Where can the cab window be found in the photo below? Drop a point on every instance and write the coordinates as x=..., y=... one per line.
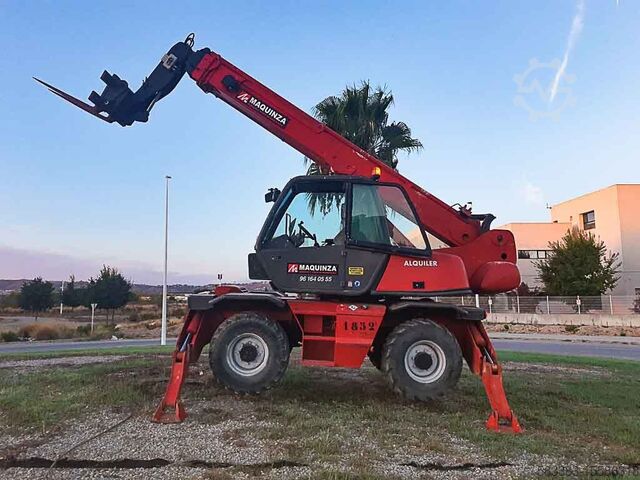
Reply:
x=381, y=215
x=313, y=218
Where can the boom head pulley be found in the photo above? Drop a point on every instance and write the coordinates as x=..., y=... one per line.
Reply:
x=118, y=103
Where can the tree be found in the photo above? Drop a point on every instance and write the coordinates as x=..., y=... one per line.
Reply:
x=71, y=295
x=10, y=300
x=579, y=265
x=110, y=291
x=360, y=115
x=36, y=296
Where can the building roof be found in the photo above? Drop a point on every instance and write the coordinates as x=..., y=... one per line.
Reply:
x=615, y=185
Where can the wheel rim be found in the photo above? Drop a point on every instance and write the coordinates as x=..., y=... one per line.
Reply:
x=247, y=354
x=425, y=361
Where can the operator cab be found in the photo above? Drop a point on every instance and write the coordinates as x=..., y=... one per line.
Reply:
x=334, y=234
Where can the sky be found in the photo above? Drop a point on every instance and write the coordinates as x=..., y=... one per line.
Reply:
x=518, y=104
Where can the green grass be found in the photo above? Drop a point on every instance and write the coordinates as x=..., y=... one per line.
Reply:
x=151, y=350
x=45, y=397
x=627, y=366
x=581, y=408
x=590, y=411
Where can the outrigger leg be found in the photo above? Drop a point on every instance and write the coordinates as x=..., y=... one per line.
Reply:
x=171, y=400
x=481, y=357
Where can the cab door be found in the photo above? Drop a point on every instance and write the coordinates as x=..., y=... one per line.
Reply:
x=303, y=245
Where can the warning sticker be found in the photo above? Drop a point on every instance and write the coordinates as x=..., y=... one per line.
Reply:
x=356, y=270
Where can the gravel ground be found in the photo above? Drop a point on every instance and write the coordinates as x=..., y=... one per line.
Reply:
x=218, y=441
x=221, y=445
x=56, y=362
x=545, y=368
x=223, y=448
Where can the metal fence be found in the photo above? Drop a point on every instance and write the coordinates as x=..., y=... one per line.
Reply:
x=506, y=303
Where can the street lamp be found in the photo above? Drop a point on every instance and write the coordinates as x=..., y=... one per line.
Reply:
x=61, y=297
x=163, y=333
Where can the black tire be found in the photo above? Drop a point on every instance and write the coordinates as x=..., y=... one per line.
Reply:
x=249, y=353
x=421, y=360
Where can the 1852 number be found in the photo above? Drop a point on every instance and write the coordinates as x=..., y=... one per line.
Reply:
x=359, y=326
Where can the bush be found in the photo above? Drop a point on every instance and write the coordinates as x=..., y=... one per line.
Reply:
x=45, y=331
x=9, y=337
x=84, y=330
x=103, y=332
x=571, y=328
x=134, y=316
x=149, y=316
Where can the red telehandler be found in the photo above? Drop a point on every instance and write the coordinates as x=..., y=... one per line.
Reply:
x=357, y=280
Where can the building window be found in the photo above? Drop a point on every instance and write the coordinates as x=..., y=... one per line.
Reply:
x=589, y=220
x=534, y=254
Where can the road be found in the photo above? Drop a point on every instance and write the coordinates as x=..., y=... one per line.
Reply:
x=589, y=349
x=606, y=350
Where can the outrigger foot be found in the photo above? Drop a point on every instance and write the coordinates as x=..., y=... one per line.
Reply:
x=502, y=418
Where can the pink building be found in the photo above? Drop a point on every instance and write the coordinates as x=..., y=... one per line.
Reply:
x=611, y=214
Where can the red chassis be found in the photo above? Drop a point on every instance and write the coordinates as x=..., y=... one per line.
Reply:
x=331, y=334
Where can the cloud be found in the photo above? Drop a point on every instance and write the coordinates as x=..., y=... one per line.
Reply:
x=18, y=263
x=576, y=29
x=532, y=194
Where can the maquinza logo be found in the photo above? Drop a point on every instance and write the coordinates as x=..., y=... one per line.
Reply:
x=535, y=87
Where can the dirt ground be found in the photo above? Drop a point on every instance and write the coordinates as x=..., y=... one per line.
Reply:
x=320, y=424
x=151, y=328
x=16, y=322
x=563, y=330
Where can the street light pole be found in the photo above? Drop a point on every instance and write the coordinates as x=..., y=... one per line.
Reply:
x=61, y=293
x=163, y=333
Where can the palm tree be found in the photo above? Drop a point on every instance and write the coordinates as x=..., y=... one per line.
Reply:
x=360, y=115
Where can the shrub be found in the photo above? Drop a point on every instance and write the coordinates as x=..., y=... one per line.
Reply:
x=9, y=337
x=45, y=331
x=571, y=328
x=134, y=316
x=505, y=327
x=83, y=330
x=103, y=332
x=149, y=316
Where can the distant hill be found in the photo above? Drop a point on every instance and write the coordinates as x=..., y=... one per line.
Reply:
x=8, y=286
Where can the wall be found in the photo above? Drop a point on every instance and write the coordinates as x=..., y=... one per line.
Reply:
x=534, y=236
x=617, y=225
x=629, y=202
x=604, y=203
